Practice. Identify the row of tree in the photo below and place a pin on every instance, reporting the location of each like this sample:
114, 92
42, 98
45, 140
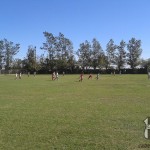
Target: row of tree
115, 55
62, 56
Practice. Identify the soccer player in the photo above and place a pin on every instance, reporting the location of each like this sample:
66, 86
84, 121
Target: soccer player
16, 76
34, 73
114, 72
97, 77
81, 77
90, 76
28, 74
53, 76
20, 75
57, 77
148, 75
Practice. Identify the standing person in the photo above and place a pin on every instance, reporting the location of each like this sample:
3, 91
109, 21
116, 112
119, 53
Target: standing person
16, 76
114, 72
97, 77
20, 75
28, 74
63, 73
53, 76
57, 77
90, 76
81, 77
34, 73
148, 75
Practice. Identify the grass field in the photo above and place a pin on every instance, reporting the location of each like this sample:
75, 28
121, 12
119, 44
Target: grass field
39, 114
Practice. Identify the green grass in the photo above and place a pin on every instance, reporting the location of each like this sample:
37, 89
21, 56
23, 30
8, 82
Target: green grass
39, 114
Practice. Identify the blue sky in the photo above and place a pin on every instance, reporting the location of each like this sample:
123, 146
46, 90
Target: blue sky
24, 21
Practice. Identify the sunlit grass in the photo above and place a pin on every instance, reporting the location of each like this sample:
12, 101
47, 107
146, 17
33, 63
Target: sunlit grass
37, 113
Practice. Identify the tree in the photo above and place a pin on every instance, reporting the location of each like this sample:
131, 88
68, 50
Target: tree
97, 53
10, 50
64, 48
17, 63
111, 52
84, 54
145, 64
1, 54
61, 45
134, 52
50, 45
30, 60
46, 64
71, 63
103, 61
60, 50
121, 55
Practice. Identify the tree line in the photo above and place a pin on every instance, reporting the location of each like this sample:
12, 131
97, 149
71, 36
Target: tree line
61, 56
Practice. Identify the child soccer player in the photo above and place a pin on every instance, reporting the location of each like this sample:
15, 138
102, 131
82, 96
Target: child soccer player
57, 77
20, 75
97, 77
28, 74
16, 76
81, 77
53, 76
34, 73
148, 75
90, 76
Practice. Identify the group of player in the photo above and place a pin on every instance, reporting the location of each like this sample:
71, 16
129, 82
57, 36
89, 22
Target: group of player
98, 74
55, 76
18, 76
33, 74
89, 77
